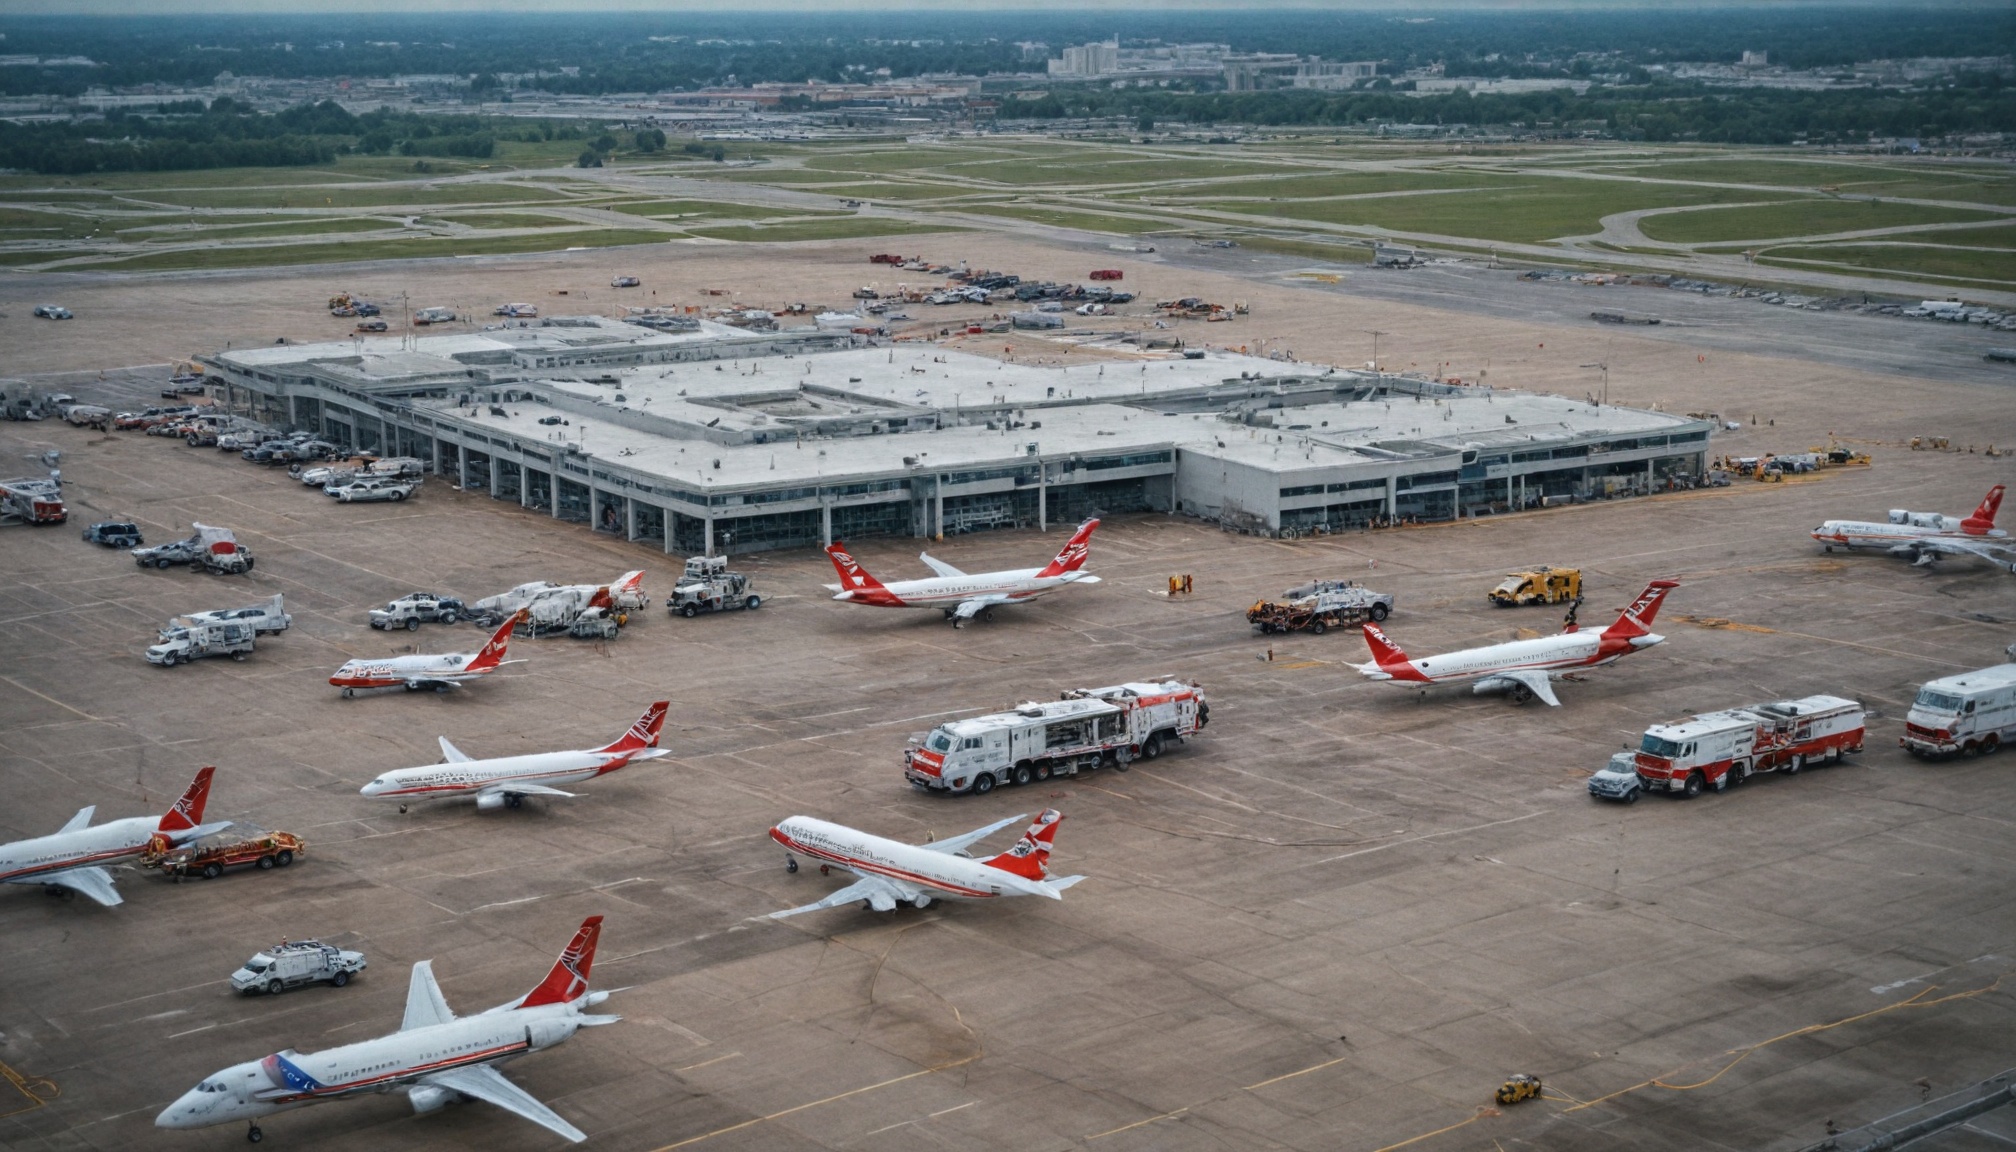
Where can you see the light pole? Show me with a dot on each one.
(1375, 333)
(1605, 367)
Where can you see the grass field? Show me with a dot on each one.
(274, 256)
(715, 210)
(897, 190)
(502, 220)
(226, 231)
(1525, 213)
(1916, 261)
(351, 196)
(1070, 172)
(1796, 218)
(821, 230)
(1067, 218)
(1348, 183)
(1946, 182)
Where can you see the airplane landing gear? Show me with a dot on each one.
(790, 864)
(254, 1135)
(402, 809)
(825, 870)
(513, 800)
(58, 891)
(348, 693)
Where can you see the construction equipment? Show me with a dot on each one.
(1538, 586)
(33, 500)
(1520, 1086)
(708, 586)
(1319, 606)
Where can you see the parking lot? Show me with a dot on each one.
(1339, 919)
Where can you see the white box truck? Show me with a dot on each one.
(1973, 713)
(1717, 749)
(1036, 741)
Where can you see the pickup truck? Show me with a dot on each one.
(415, 608)
(292, 963)
(114, 534)
(179, 645)
(265, 619)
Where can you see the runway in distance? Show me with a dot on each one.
(894, 873)
(440, 673)
(73, 858)
(435, 1056)
(506, 780)
(1525, 668)
(964, 595)
(1924, 537)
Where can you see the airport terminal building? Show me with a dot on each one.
(719, 439)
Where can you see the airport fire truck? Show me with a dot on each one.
(33, 500)
(1974, 713)
(1717, 749)
(1086, 728)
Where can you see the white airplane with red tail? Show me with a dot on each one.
(505, 781)
(435, 1056)
(963, 595)
(74, 858)
(894, 873)
(440, 673)
(1524, 668)
(1926, 536)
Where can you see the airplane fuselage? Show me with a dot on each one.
(393, 671)
(947, 592)
(945, 874)
(544, 769)
(1891, 537)
(1549, 654)
(291, 1080)
(100, 844)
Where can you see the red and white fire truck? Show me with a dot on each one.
(1087, 727)
(1717, 749)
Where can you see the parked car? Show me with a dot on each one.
(625, 282)
(410, 610)
(370, 489)
(1618, 779)
(114, 534)
(372, 325)
(53, 312)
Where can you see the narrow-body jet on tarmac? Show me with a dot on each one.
(74, 858)
(963, 595)
(449, 670)
(894, 873)
(1924, 537)
(504, 781)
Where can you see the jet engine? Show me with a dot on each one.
(546, 1033)
(489, 801)
(427, 1098)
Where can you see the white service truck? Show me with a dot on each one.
(265, 619)
(292, 963)
(1717, 749)
(1086, 728)
(1973, 713)
(181, 643)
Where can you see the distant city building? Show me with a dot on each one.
(1101, 58)
(1756, 60)
(1325, 75)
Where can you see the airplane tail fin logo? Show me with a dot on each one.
(188, 811)
(1030, 857)
(853, 577)
(1075, 552)
(1982, 521)
(493, 652)
(1637, 619)
(1384, 651)
(569, 978)
(628, 584)
(644, 733)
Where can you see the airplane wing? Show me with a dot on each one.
(486, 1083)
(1538, 682)
(970, 608)
(957, 843)
(881, 894)
(425, 1006)
(526, 790)
(939, 566)
(93, 882)
(455, 755)
(1995, 552)
(80, 821)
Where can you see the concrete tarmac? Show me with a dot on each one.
(1337, 919)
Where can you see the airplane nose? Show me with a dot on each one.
(176, 1115)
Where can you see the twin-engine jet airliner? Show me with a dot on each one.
(437, 672)
(963, 595)
(1924, 537)
(74, 858)
(506, 780)
(435, 1057)
(1525, 668)
(894, 873)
